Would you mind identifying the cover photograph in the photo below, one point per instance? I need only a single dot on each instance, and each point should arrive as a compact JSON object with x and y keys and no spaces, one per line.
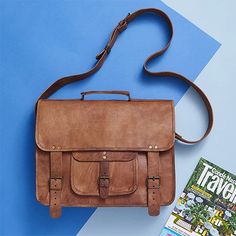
{"x":207,"y":205}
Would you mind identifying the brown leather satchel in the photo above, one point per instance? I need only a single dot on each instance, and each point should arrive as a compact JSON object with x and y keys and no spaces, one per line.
{"x":93,"y":153}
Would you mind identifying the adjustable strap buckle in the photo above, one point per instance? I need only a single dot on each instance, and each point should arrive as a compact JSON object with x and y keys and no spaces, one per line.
{"x":55,"y":183}
{"x":104,"y":181}
{"x":153,"y":182}
{"x":123,"y":24}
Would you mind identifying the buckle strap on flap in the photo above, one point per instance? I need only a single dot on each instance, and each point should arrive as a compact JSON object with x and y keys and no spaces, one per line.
{"x":104,"y":179}
{"x":153,"y":183}
{"x":55,"y":183}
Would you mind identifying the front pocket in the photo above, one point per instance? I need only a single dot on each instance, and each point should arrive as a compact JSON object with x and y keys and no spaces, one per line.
{"x":86,"y":172}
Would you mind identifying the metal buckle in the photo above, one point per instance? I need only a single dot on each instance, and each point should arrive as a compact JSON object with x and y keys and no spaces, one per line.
{"x":123,"y":24}
{"x":55,"y":183}
{"x":103,"y":178}
{"x":153,"y":178}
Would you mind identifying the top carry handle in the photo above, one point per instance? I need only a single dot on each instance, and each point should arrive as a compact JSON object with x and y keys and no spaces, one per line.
{"x":104,"y":53}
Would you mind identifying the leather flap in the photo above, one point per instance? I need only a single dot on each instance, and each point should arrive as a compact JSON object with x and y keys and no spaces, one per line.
{"x":75,"y":125}
{"x":104,"y":156}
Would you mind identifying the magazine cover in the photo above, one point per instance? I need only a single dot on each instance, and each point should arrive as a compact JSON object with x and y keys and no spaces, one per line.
{"x":207,"y":205}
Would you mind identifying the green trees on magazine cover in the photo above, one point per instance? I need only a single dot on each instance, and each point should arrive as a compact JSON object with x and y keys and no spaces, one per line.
{"x":229,"y":227}
{"x":207,"y":205}
{"x":198,"y":214}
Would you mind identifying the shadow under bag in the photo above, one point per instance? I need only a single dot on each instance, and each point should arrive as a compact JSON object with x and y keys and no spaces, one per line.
{"x":109,"y":153}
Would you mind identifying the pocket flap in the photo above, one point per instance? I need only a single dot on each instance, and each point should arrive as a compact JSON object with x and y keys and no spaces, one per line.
{"x":85,"y":173}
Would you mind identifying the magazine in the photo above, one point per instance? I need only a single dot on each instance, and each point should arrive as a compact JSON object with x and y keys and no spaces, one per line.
{"x":207,"y":205}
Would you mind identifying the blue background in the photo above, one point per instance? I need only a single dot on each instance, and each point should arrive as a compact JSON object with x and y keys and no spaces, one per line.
{"x":43,"y":41}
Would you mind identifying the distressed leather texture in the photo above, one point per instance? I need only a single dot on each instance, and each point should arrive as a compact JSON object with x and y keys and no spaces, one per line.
{"x":92,"y":153}
{"x":105,"y":125}
{"x":118,"y":133}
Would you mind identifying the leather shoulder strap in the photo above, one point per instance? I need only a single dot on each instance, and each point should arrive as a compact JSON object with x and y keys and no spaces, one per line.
{"x":122,"y":25}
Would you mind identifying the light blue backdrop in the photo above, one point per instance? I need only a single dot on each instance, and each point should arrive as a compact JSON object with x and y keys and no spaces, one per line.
{"x":42,"y":41}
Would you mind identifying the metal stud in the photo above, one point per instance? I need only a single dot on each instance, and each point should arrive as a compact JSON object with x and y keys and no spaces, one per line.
{"x":155,"y":147}
{"x":150,"y":146}
{"x":104,"y":157}
{"x":104,"y":153}
{"x":53,"y":147}
{"x":59,"y":147}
